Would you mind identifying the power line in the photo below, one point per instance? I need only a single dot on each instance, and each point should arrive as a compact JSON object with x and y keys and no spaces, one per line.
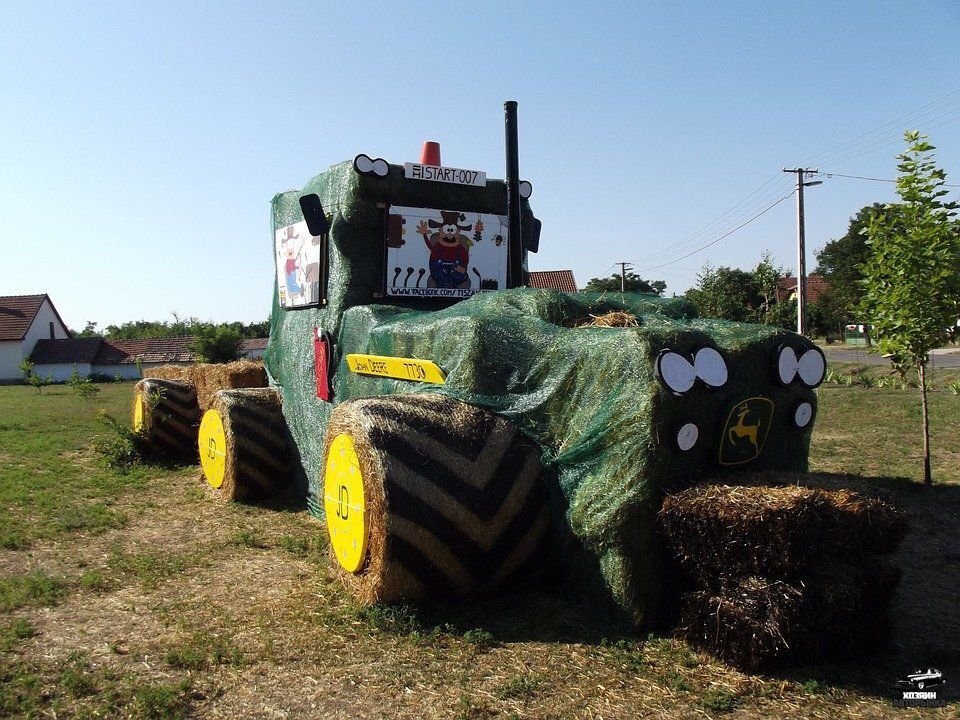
{"x":886,"y":127}
{"x":830,"y":174}
{"x":725,"y":235}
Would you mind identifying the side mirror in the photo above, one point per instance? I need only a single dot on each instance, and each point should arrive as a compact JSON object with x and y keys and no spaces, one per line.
{"x":532,"y":241}
{"x":313,"y":214}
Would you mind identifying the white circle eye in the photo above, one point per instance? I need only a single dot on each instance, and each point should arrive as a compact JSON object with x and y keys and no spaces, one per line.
{"x":787,"y":365}
{"x":811,"y":367}
{"x":803,"y":414}
{"x":526,"y":189}
{"x":687,"y":436}
{"x":676,"y":372}
{"x":710,"y":367}
{"x":380,"y":167}
{"x":362,"y":163}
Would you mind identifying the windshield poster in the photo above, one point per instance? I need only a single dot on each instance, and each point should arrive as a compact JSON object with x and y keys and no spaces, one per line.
{"x":444,"y":253}
{"x":297,"y":253}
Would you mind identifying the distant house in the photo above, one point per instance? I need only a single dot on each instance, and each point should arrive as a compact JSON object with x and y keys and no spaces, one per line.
{"x":24,"y":320}
{"x":816,"y":286}
{"x":120,"y":358}
{"x":253,"y":349}
{"x":111,"y":358}
{"x":553,"y":279}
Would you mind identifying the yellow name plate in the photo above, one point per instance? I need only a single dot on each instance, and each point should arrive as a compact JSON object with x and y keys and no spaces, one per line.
{"x":398,"y":368}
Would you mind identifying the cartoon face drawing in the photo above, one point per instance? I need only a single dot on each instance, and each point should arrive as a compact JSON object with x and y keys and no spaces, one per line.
{"x":449,"y":249}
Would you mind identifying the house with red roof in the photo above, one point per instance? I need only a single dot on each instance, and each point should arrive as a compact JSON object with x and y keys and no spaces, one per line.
{"x":561,"y":280}
{"x":123,"y":359}
{"x":24,"y":321}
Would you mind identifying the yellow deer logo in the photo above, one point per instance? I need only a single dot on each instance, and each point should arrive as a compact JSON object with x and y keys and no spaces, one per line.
{"x":741,"y":429}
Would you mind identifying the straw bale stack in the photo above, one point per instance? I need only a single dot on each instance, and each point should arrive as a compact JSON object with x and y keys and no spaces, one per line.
{"x":169,"y":417}
{"x":783,"y":532}
{"x":455,"y":502}
{"x":780,"y":575}
{"x":257,"y":455}
{"x":210,"y":378}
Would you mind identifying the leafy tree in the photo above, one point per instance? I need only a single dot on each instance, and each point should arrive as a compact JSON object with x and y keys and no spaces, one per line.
{"x":726,"y":293}
{"x":35,"y":379}
{"x":89,"y":330}
{"x":911,"y":279}
{"x":216,"y":343}
{"x":632,"y":283}
{"x":827,"y":315}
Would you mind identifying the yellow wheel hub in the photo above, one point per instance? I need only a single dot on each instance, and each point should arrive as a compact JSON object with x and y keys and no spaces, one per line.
{"x":344,"y":504}
{"x":212,"y":443}
{"x":137,"y":412}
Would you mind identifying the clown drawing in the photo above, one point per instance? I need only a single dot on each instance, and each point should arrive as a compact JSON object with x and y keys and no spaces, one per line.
{"x":449,"y":249}
{"x":291,"y":267}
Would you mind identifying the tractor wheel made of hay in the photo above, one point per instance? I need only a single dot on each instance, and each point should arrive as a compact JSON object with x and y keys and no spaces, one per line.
{"x":165,"y":412}
{"x":242,"y":445}
{"x":427,"y":497}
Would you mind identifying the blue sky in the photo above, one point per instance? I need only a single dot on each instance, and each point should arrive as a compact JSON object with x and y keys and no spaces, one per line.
{"x":143,"y":141}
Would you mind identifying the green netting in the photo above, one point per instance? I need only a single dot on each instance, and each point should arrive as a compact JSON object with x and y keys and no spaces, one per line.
{"x":588,"y":395}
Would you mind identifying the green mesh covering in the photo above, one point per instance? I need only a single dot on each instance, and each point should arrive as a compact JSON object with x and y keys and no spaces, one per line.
{"x":588,"y":395}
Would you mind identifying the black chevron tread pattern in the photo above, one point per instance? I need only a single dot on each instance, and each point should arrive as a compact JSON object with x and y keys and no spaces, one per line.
{"x":257,"y":455}
{"x":461,"y":492}
{"x":170,"y":417}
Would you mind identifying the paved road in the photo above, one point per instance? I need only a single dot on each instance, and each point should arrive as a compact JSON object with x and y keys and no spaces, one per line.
{"x":945,"y":358}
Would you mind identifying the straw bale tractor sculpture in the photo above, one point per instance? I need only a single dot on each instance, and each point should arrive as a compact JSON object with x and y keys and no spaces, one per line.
{"x":457,"y":429}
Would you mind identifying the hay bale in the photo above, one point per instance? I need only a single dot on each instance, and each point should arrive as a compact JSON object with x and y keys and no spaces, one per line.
{"x":165,"y":412}
{"x":211,"y":378}
{"x":756,"y":623}
{"x":775,"y":532}
{"x":611,"y":319}
{"x":453,"y":500}
{"x":255,"y":454}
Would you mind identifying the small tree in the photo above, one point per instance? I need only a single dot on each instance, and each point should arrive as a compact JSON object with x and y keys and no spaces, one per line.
{"x":216,"y":344}
{"x":911,"y":279}
{"x":631,"y":282}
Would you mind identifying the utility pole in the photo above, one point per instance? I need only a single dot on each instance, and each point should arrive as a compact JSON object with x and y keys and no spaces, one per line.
{"x":801,"y":248}
{"x":624,"y":266}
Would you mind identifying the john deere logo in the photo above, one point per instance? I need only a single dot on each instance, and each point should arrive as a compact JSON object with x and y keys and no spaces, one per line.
{"x":745,"y":431}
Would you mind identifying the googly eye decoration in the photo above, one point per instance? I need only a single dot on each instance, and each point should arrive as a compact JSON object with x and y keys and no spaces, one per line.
{"x":679,"y":374}
{"x":710,"y":367}
{"x":676,"y":372}
{"x":802,"y":414}
{"x":365,"y":165}
{"x":811,"y":366}
{"x":687,"y":437}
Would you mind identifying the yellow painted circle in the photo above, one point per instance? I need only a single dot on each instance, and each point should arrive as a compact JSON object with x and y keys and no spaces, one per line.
{"x":344,"y":504}
{"x":212,"y":443}
{"x":137,"y":412}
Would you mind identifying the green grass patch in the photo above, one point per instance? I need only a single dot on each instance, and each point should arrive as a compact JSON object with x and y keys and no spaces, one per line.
{"x":14,"y":633}
{"x":718,"y":701}
{"x":30,"y":590}
{"x":148,"y":567}
{"x":50,"y":482}
{"x":521,"y":687}
{"x":248,"y":539}
{"x":204,"y":650}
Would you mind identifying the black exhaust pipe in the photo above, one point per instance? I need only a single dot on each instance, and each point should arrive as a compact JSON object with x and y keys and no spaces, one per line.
{"x":515,"y":274}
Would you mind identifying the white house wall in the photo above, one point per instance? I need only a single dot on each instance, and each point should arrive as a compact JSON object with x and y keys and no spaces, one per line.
{"x":127,"y":371}
{"x":11,"y":355}
{"x":61,"y":372}
{"x":40,"y":328}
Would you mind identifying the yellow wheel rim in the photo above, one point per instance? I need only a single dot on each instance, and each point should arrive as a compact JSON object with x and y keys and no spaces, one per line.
{"x":344,"y":504}
{"x":212,"y":442}
{"x":137,"y":412}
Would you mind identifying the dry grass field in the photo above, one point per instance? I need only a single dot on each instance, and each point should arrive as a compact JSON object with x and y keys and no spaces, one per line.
{"x":142,"y":595}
